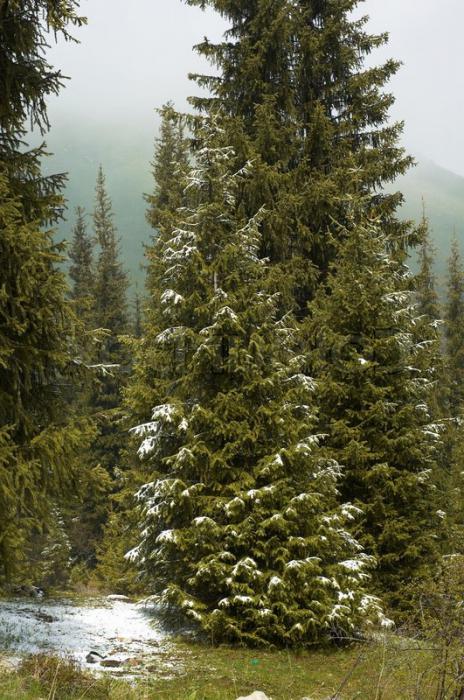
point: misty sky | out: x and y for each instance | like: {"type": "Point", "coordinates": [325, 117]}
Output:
{"type": "Point", "coordinates": [134, 56]}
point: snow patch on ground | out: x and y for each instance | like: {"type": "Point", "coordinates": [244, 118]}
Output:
{"type": "Point", "coordinates": [109, 627]}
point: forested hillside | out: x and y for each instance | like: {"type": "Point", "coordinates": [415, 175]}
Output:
{"type": "Point", "coordinates": [127, 164]}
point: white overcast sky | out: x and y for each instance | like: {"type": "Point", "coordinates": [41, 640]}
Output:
{"type": "Point", "coordinates": [135, 55]}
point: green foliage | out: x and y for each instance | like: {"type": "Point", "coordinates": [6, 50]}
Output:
{"type": "Point", "coordinates": [316, 115]}
{"type": "Point", "coordinates": [375, 380]}
{"type": "Point", "coordinates": [99, 292]}
{"type": "Point", "coordinates": [454, 330]}
{"type": "Point", "coordinates": [428, 306]}
{"type": "Point", "coordinates": [169, 167]}
{"type": "Point", "coordinates": [439, 617]}
{"type": "Point", "coordinates": [110, 280]}
{"type": "Point", "coordinates": [110, 314]}
{"type": "Point", "coordinates": [241, 532]}
{"type": "Point", "coordinates": [39, 438]}
{"type": "Point", "coordinates": [81, 270]}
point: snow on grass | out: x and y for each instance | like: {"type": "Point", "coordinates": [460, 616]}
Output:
{"type": "Point", "coordinates": [109, 627]}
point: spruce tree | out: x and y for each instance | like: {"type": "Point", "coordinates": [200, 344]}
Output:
{"type": "Point", "coordinates": [39, 437]}
{"type": "Point", "coordinates": [111, 281]}
{"type": "Point", "coordinates": [81, 270]}
{"type": "Point", "coordinates": [295, 73]}
{"type": "Point", "coordinates": [428, 305]}
{"type": "Point", "coordinates": [375, 381]}
{"type": "Point", "coordinates": [454, 330]}
{"type": "Point", "coordinates": [138, 316]}
{"type": "Point", "coordinates": [240, 529]}
{"type": "Point", "coordinates": [110, 316]}
{"type": "Point", "coordinates": [169, 166]}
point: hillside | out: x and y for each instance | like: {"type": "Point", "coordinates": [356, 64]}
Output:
{"type": "Point", "coordinates": [443, 194]}
{"type": "Point", "coordinates": [126, 154]}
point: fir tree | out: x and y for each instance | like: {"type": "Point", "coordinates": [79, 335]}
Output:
{"type": "Point", "coordinates": [376, 379]}
{"type": "Point", "coordinates": [39, 438]}
{"type": "Point", "coordinates": [81, 269]}
{"type": "Point", "coordinates": [240, 530]}
{"type": "Point", "coordinates": [295, 73]}
{"type": "Point", "coordinates": [454, 330]}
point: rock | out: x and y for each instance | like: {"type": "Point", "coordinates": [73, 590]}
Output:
{"type": "Point", "coordinates": [257, 695]}
{"type": "Point", "coordinates": [133, 662]}
{"type": "Point", "coordinates": [93, 657]}
{"type": "Point", "coordinates": [111, 663]}
{"type": "Point", "coordinates": [45, 617]}
{"type": "Point", "coordinates": [31, 591]}
{"type": "Point", "coordinates": [119, 598]}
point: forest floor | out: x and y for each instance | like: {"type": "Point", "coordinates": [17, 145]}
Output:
{"type": "Point", "coordinates": [157, 666]}
{"type": "Point", "coordinates": [371, 672]}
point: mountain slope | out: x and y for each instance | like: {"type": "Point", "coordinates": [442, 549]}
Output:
{"type": "Point", "coordinates": [442, 193]}
{"type": "Point", "coordinates": [125, 154]}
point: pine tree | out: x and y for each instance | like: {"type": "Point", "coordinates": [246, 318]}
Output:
{"type": "Point", "coordinates": [81, 269]}
{"type": "Point", "coordinates": [454, 330]}
{"type": "Point", "coordinates": [376, 379]}
{"type": "Point", "coordinates": [240, 529]}
{"type": "Point", "coordinates": [39, 437]}
{"type": "Point", "coordinates": [295, 73]}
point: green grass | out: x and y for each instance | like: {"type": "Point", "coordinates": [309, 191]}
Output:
{"type": "Point", "coordinates": [382, 671]}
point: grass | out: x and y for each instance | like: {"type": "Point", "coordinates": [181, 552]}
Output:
{"type": "Point", "coordinates": [385, 670]}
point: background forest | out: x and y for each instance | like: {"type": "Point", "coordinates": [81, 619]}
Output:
{"type": "Point", "coordinates": [262, 429]}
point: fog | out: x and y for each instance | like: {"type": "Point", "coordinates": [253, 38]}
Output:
{"type": "Point", "coordinates": [134, 56]}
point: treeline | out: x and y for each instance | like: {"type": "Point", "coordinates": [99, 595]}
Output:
{"type": "Point", "coordinates": [272, 445]}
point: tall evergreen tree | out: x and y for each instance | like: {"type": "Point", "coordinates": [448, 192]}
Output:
{"type": "Point", "coordinates": [376, 379]}
{"type": "Point", "coordinates": [81, 270]}
{"type": "Point", "coordinates": [111, 285]}
{"type": "Point", "coordinates": [138, 316]}
{"type": "Point", "coordinates": [111, 281]}
{"type": "Point", "coordinates": [169, 167]}
{"type": "Point", "coordinates": [104, 403]}
{"type": "Point", "coordinates": [429, 314]}
{"type": "Point", "coordinates": [295, 73]}
{"type": "Point", "coordinates": [454, 330]}
{"type": "Point", "coordinates": [241, 532]}
{"type": "Point", "coordinates": [428, 305]}
{"type": "Point", "coordinates": [39, 437]}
